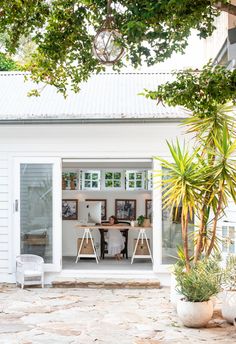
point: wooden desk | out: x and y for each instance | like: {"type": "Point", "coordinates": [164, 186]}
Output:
{"type": "Point", "coordinates": [141, 236]}
{"type": "Point", "coordinates": [111, 227]}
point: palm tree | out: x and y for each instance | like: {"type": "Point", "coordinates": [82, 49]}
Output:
{"type": "Point", "coordinates": [182, 182]}
{"type": "Point", "coordinates": [201, 181]}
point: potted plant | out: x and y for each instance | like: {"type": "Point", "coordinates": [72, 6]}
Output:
{"type": "Point", "coordinates": [229, 286]}
{"type": "Point", "coordinates": [198, 286]}
{"type": "Point", "coordinates": [73, 180]}
{"type": "Point", "coordinates": [140, 220]}
{"type": "Point", "coordinates": [143, 221]}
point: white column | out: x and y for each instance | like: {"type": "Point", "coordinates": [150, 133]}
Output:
{"type": "Point", "coordinates": [157, 217]}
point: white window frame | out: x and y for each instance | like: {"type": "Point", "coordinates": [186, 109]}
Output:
{"type": "Point", "coordinates": [150, 180]}
{"type": "Point", "coordinates": [83, 180]}
{"type": "Point", "coordinates": [127, 180]}
{"type": "Point", "coordinates": [113, 188]}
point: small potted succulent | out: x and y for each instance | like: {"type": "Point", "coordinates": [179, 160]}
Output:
{"type": "Point", "coordinates": [198, 286]}
{"type": "Point", "coordinates": [229, 286]}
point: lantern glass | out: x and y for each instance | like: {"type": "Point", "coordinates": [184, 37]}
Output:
{"type": "Point", "coordinates": [106, 47]}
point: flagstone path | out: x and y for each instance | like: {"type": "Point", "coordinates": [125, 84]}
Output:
{"type": "Point", "coordinates": [100, 316]}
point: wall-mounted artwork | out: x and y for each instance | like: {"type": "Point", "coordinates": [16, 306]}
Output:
{"type": "Point", "coordinates": [104, 207]}
{"type": "Point", "coordinates": [69, 209]}
{"type": "Point", "coordinates": [125, 209]}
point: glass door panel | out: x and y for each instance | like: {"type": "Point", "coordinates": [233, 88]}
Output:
{"type": "Point", "coordinates": [36, 220]}
{"type": "Point", "coordinates": [37, 209]}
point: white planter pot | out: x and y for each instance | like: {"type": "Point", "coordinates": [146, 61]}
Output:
{"type": "Point", "coordinates": [229, 306]}
{"type": "Point", "coordinates": [195, 314]}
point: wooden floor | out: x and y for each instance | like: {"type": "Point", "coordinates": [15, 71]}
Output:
{"type": "Point", "coordinates": [68, 263]}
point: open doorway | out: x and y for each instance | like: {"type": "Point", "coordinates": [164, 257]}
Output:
{"type": "Point", "coordinates": [122, 188]}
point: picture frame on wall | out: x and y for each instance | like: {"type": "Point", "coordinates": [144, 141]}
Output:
{"type": "Point", "coordinates": [104, 207]}
{"type": "Point", "coordinates": [148, 209]}
{"type": "Point", "coordinates": [69, 209]}
{"type": "Point", "coordinates": [125, 209]}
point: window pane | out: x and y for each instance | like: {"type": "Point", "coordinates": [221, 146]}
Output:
{"type": "Point", "coordinates": [87, 175]}
{"type": "Point", "coordinates": [172, 235]}
{"type": "Point", "coordinates": [117, 184]}
{"type": "Point", "coordinates": [87, 184]}
{"type": "Point", "coordinates": [94, 176]}
{"type": "Point", "coordinates": [131, 176]}
{"type": "Point", "coordinates": [36, 210]}
{"type": "Point", "coordinates": [138, 184]}
{"type": "Point", "coordinates": [94, 184]}
{"type": "Point", "coordinates": [139, 176]}
{"type": "Point", "coordinates": [131, 184]}
{"type": "Point", "coordinates": [117, 175]}
{"type": "Point", "coordinates": [108, 175]}
{"type": "Point", "coordinates": [108, 183]}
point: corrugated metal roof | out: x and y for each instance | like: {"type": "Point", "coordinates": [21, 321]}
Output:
{"type": "Point", "coordinates": [104, 96]}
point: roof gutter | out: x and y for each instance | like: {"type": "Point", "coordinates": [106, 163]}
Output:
{"type": "Point", "coordinates": [88, 121]}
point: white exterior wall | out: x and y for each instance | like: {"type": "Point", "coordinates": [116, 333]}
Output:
{"type": "Point", "coordinates": [214, 43]}
{"type": "Point", "coordinates": [4, 214]}
{"type": "Point", "coordinates": [74, 141]}
{"type": "Point", "coordinates": [71, 141]}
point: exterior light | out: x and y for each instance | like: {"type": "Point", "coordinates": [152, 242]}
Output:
{"type": "Point", "coordinates": [106, 46]}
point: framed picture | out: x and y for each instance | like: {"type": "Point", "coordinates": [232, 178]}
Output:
{"type": "Point", "coordinates": [69, 209]}
{"type": "Point", "coordinates": [125, 209]}
{"type": "Point", "coordinates": [148, 209]}
{"type": "Point", "coordinates": [104, 207]}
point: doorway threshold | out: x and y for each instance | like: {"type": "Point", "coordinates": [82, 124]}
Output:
{"type": "Point", "coordinates": [107, 279]}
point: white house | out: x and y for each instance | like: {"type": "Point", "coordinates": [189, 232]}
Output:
{"type": "Point", "coordinates": [108, 136]}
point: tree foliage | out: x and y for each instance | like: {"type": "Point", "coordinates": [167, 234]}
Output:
{"type": "Point", "coordinates": [201, 180]}
{"type": "Point", "coordinates": [7, 64]}
{"type": "Point", "coordinates": [199, 91]}
{"type": "Point", "coordinates": [63, 31]}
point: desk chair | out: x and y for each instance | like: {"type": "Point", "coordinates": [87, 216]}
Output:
{"type": "Point", "coordinates": [103, 244]}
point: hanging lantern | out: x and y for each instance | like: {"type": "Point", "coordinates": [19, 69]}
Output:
{"type": "Point", "coordinates": [106, 45]}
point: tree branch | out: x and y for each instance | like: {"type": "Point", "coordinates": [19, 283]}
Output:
{"type": "Point", "coordinates": [229, 8]}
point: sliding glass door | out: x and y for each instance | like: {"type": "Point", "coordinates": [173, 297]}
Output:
{"type": "Point", "coordinates": [37, 208]}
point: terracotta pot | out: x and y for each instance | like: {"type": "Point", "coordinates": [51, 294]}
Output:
{"type": "Point", "coordinates": [72, 184]}
{"type": "Point", "coordinates": [195, 314]}
{"type": "Point", "coordinates": [229, 306]}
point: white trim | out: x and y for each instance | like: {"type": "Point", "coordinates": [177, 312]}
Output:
{"type": "Point", "coordinates": [64, 160]}
{"type": "Point", "coordinates": [157, 221]}
{"type": "Point", "coordinates": [11, 252]}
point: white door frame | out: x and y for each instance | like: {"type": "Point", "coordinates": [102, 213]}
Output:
{"type": "Point", "coordinates": [57, 196]}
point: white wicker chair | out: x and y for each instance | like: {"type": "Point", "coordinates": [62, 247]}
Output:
{"type": "Point", "coordinates": [29, 270]}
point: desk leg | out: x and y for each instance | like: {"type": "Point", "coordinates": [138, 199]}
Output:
{"type": "Point", "coordinates": [149, 250]}
{"type": "Point", "coordinates": [136, 245]}
{"type": "Point", "coordinates": [86, 236]}
{"type": "Point", "coordinates": [81, 244]}
{"type": "Point", "coordinates": [94, 250]}
{"type": "Point", "coordinates": [142, 235]}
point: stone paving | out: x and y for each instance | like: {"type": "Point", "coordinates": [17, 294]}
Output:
{"type": "Point", "coordinates": [100, 316]}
